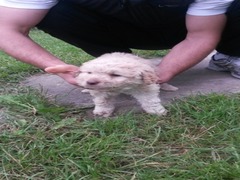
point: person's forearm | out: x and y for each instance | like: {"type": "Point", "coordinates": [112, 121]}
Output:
{"type": "Point", "coordinates": [15, 24]}
{"type": "Point", "coordinates": [183, 56]}
{"type": "Point", "coordinates": [204, 33]}
{"type": "Point", "coordinates": [24, 49]}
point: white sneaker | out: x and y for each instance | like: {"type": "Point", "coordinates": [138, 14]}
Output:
{"type": "Point", "coordinates": [221, 62]}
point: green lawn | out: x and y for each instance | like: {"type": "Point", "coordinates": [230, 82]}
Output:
{"type": "Point", "coordinates": [199, 139]}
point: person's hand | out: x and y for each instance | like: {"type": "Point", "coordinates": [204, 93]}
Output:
{"type": "Point", "coordinates": [163, 73]}
{"type": "Point", "coordinates": [67, 72]}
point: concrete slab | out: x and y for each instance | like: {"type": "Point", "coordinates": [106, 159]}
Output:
{"type": "Point", "coordinates": [197, 80]}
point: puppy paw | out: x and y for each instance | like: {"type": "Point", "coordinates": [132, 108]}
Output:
{"type": "Point", "coordinates": [162, 112]}
{"type": "Point", "coordinates": [157, 111]}
{"type": "Point", "coordinates": [102, 113]}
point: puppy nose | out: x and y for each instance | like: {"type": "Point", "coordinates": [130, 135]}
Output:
{"type": "Point", "coordinates": [93, 82]}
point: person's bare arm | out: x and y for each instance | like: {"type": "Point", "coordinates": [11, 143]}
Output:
{"type": "Point", "coordinates": [14, 40]}
{"type": "Point", "coordinates": [203, 35]}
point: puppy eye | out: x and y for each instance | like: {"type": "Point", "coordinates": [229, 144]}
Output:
{"type": "Point", "coordinates": [89, 72]}
{"type": "Point", "coordinates": [115, 75]}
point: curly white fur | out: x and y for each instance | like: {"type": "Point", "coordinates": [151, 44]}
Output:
{"type": "Point", "coordinates": [111, 74]}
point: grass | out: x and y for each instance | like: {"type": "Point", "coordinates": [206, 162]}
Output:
{"type": "Point", "coordinates": [199, 139]}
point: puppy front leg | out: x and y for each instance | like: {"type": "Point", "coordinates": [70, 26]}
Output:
{"type": "Point", "coordinates": [149, 99]}
{"type": "Point", "coordinates": [104, 103]}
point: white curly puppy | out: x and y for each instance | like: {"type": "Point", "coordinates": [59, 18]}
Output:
{"type": "Point", "coordinates": [111, 74]}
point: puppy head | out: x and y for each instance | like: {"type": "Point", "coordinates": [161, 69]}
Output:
{"type": "Point", "coordinates": [115, 71]}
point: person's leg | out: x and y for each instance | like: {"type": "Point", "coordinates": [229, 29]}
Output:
{"type": "Point", "coordinates": [230, 41]}
{"type": "Point", "coordinates": [80, 27]}
{"type": "Point", "coordinates": [96, 32]}
{"type": "Point", "coordinates": [227, 57]}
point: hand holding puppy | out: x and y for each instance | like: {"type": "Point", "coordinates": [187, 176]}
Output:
{"type": "Point", "coordinates": [67, 72]}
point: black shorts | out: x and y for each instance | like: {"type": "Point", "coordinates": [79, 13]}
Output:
{"type": "Point", "coordinates": [100, 28]}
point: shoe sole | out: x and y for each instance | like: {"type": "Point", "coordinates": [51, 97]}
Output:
{"type": "Point", "coordinates": [222, 70]}
{"type": "Point", "coordinates": [235, 75]}
{"type": "Point", "coordinates": [217, 69]}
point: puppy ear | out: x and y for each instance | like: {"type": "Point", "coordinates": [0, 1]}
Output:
{"type": "Point", "coordinates": [149, 77]}
{"type": "Point", "coordinates": [62, 69]}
